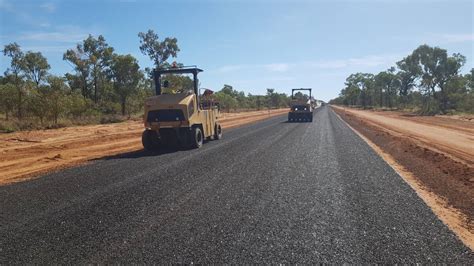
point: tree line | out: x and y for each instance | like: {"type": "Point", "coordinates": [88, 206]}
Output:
{"type": "Point", "coordinates": [427, 81]}
{"type": "Point", "coordinates": [231, 99]}
{"type": "Point", "coordinates": [104, 86]}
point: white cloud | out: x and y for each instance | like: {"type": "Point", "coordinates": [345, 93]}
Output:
{"type": "Point", "coordinates": [6, 6]}
{"type": "Point", "coordinates": [48, 7]}
{"type": "Point", "coordinates": [54, 41]}
{"type": "Point", "coordinates": [230, 68]}
{"type": "Point", "coordinates": [267, 79]}
{"type": "Point", "coordinates": [277, 67]}
{"type": "Point", "coordinates": [437, 38]}
{"type": "Point", "coordinates": [360, 62]}
{"type": "Point", "coordinates": [62, 34]}
{"type": "Point", "coordinates": [47, 48]}
{"type": "Point", "coordinates": [367, 61]}
{"type": "Point", "coordinates": [27, 13]}
{"type": "Point", "coordinates": [52, 36]}
{"type": "Point", "coordinates": [455, 38]}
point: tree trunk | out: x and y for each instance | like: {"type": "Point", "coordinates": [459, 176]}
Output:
{"type": "Point", "coordinates": [95, 90]}
{"type": "Point", "coordinates": [124, 100]}
{"type": "Point", "coordinates": [84, 87]}
{"type": "Point", "coordinates": [381, 97]}
{"type": "Point", "coordinates": [389, 95]}
{"type": "Point", "coordinates": [443, 100]}
{"type": "Point", "coordinates": [20, 111]}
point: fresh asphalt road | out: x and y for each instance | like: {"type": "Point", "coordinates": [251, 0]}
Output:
{"type": "Point", "coordinates": [268, 192]}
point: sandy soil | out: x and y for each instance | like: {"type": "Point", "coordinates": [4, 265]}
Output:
{"type": "Point", "coordinates": [24, 155]}
{"type": "Point", "coordinates": [443, 177]}
{"type": "Point", "coordinates": [453, 137]}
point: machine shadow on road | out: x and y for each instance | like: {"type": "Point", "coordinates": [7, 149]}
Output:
{"type": "Point", "coordinates": [141, 154]}
{"type": "Point", "coordinates": [295, 122]}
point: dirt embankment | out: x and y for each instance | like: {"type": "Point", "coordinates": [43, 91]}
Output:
{"type": "Point", "coordinates": [26, 154]}
{"type": "Point", "coordinates": [438, 152]}
{"type": "Point", "coordinates": [454, 138]}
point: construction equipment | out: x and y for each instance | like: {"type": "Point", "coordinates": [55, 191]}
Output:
{"type": "Point", "coordinates": [179, 119]}
{"type": "Point", "coordinates": [302, 108]}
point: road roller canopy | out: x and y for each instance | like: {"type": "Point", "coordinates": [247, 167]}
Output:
{"type": "Point", "coordinates": [157, 73]}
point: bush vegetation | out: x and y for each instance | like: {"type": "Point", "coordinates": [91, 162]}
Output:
{"type": "Point", "coordinates": [104, 87]}
{"type": "Point", "coordinates": [428, 81]}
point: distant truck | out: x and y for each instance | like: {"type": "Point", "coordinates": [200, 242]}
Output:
{"type": "Point", "coordinates": [179, 119]}
{"type": "Point", "coordinates": [301, 109]}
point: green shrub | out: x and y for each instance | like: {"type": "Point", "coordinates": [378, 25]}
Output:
{"type": "Point", "coordinates": [108, 119]}
{"type": "Point", "coordinates": [7, 127]}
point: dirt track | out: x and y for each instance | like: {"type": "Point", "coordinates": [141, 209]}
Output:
{"type": "Point", "coordinates": [29, 153]}
{"type": "Point", "coordinates": [452, 137]}
{"type": "Point", "coordinates": [437, 151]}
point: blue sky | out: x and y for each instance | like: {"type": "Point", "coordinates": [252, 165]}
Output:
{"type": "Point", "coordinates": [251, 45]}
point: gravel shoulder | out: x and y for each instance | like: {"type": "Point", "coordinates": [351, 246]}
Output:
{"type": "Point", "coordinates": [452, 137]}
{"type": "Point", "coordinates": [437, 171]}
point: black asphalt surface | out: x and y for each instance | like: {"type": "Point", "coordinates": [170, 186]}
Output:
{"type": "Point", "coordinates": [268, 192]}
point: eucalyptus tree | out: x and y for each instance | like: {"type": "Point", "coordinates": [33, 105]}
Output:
{"type": "Point", "coordinates": [13, 51]}
{"type": "Point", "coordinates": [409, 72]}
{"type": "Point", "coordinates": [388, 84]}
{"type": "Point", "coordinates": [158, 51]}
{"type": "Point", "coordinates": [126, 76]}
{"type": "Point", "coordinates": [437, 69]}
{"type": "Point", "coordinates": [91, 59]}
{"type": "Point", "coordinates": [35, 67]}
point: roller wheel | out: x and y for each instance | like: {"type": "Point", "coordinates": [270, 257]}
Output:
{"type": "Point", "coordinates": [150, 140]}
{"type": "Point", "coordinates": [197, 138]}
{"type": "Point", "coordinates": [218, 132]}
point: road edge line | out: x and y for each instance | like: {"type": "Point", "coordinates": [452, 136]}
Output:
{"type": "Point", "coordinates": [450, 216]}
